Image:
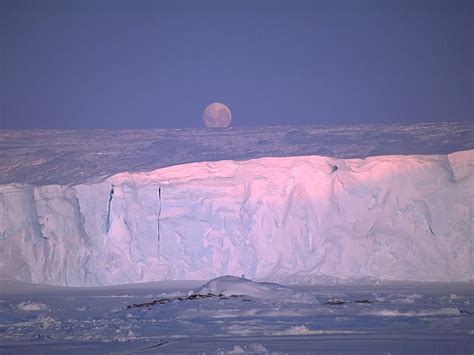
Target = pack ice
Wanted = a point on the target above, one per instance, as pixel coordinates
(284, 219)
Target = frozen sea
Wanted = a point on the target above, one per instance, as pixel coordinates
(172, 316)
(385, 318)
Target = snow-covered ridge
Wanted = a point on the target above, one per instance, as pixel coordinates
(295, 218)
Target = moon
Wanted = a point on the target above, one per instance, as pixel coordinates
(217, 115)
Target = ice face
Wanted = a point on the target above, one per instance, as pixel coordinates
(295, 218)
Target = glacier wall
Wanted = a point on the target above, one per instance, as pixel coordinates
(296, 218)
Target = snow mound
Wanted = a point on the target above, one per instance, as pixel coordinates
(238, 286)
(302, 330)
(32, 306)
(439, 312)
(253, 348)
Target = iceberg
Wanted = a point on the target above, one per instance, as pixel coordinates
(284, 219)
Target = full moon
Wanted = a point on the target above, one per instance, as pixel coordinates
(217, 115)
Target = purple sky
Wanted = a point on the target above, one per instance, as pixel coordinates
(140, 64)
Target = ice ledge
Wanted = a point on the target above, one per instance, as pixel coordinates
(390, 217)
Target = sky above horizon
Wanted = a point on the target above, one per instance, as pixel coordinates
(158, 64)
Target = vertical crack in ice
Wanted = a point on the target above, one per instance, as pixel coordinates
(431, 230)
(38, 226)
(107, 222)
(158, 218)
(85, 240)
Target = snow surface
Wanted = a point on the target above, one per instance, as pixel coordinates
(71, 157)
(293, 219)
(366, 319)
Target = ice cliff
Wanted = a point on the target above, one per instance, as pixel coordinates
(296, 218)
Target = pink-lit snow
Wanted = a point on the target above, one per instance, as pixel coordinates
(275, 249)
(294, 219)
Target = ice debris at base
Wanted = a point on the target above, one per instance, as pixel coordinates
(273, 219)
